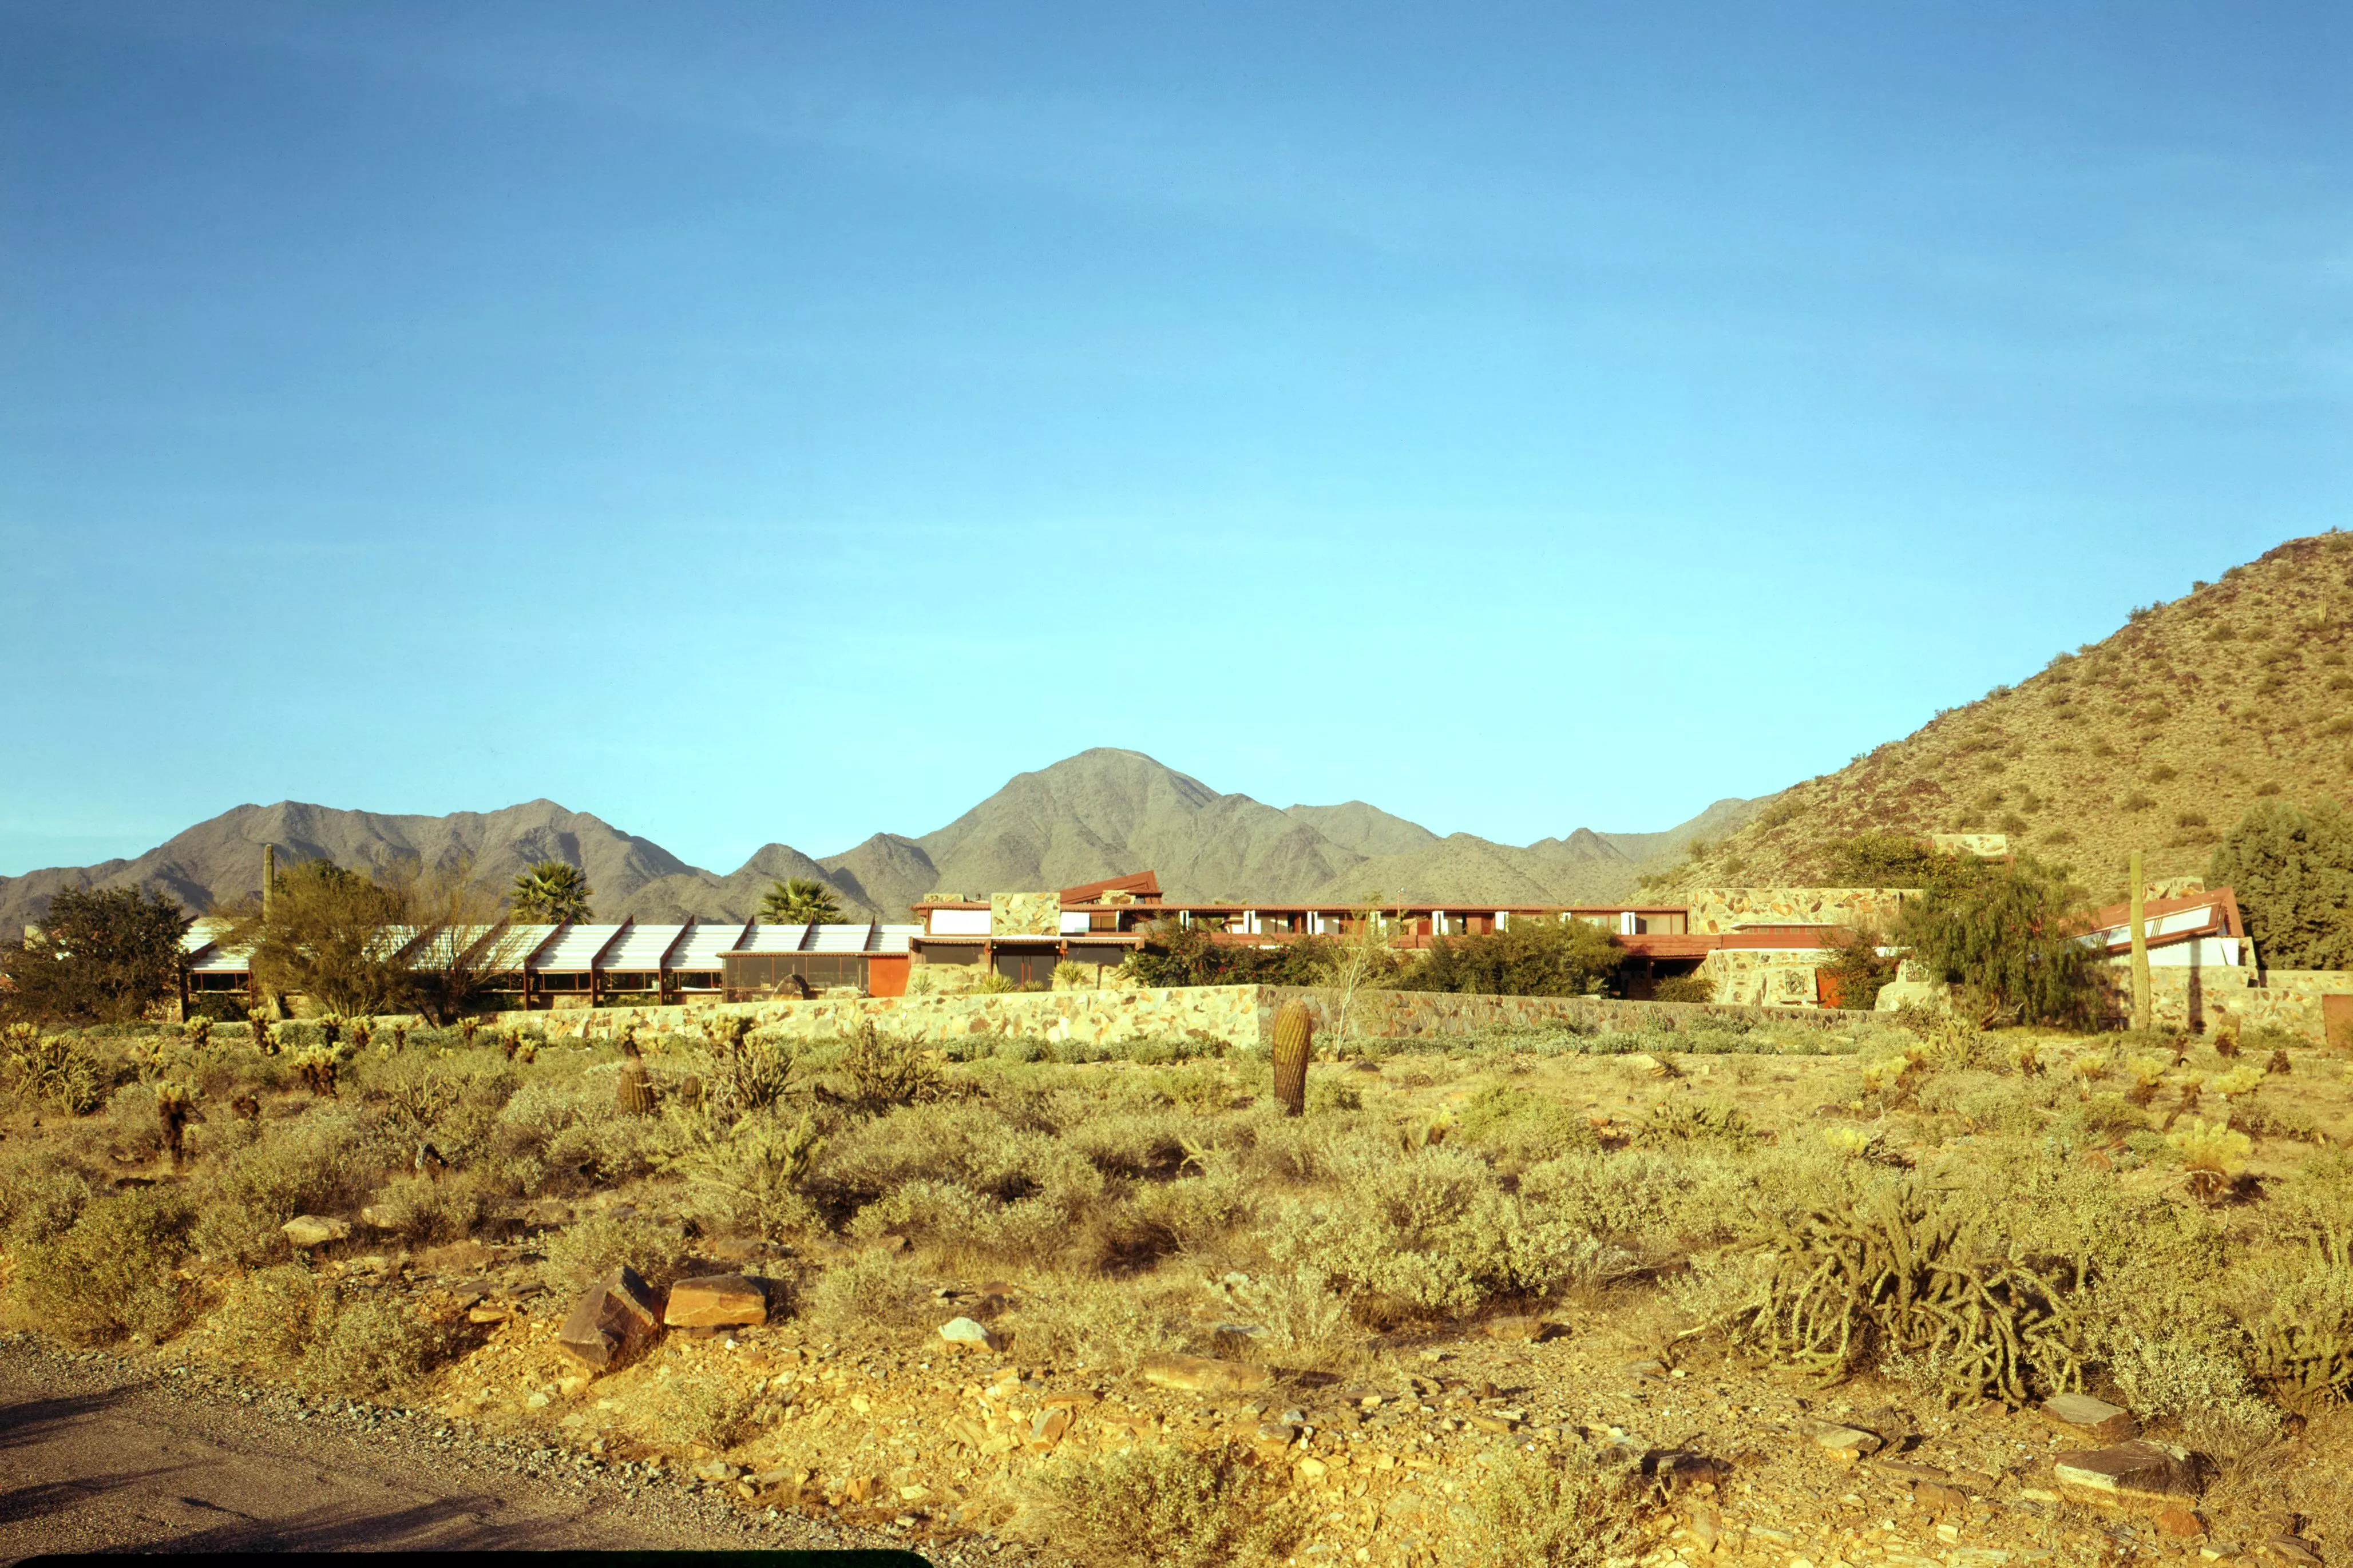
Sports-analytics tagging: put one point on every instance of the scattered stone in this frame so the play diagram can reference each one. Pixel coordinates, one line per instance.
(1938, 1500)
(2292, 1551)
(309, 1230)
(2181, 1523)
(1486, 1422)
(1235, 1339)
(1847, 1443)
(1648, 1064)
(2139, 1471)
(1201, 1374)
(2108, 1422)
(488, 1314)
(963, 1334)
(1683, 1470)
(1654, 1371)
(716, 1302)
(612, 1321)
(1522, 1329)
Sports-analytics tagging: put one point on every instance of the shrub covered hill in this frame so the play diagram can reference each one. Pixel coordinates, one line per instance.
(2157, 738)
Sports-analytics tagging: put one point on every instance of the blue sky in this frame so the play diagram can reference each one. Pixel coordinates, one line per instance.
(778, 422)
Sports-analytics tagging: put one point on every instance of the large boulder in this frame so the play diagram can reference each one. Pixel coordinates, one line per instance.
(612, 1322)
(716, 1302)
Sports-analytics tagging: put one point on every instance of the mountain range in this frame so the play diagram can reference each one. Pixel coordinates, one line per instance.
(2158, 737)
(1104, 813)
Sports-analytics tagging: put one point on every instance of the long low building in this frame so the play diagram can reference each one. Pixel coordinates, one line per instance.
(1026, 936)
(586, 963)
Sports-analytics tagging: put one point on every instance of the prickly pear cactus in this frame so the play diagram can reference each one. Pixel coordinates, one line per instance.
(1294, 1039)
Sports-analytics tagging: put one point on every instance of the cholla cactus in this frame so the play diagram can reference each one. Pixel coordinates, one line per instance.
(2279, 1062)
(263, 1041)
(2148, 1075)
(1891, 1075)
(1855, 1143)
(315, 1070)
(2027, 1057)
(363, 1031)
(468, 1028)
(2238, 1081)
(176, 1106)
(198, 1032)
(2212, 1153)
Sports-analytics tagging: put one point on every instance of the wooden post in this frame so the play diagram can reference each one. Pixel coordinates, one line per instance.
(2140, 1001)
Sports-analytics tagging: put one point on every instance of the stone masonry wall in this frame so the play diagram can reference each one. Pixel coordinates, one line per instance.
(1715, 910)
(1241, 1015)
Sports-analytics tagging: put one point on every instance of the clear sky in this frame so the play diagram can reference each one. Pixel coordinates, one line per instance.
(788, 421)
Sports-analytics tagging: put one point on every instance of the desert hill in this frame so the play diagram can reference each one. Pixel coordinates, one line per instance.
(2158, 737)
(1103, 813)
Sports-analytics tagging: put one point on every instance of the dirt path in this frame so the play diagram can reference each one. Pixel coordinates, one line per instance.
(97, 1452)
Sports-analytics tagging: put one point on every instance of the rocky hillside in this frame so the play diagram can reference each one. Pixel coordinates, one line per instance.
(1103, 813)
(2158, 737)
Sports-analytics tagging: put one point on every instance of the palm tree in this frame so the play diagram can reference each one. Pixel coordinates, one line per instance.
(551, 892)
(798, 901)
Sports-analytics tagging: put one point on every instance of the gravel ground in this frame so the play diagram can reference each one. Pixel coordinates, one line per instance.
(102, 1452)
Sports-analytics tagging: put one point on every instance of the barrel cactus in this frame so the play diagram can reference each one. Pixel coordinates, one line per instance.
(635, 1092)
(1294, 1039)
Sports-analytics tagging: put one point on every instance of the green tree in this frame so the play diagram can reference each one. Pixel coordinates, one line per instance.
(99, 957)
(798, 903)
(1177, 955)
(2292, 867)
(329, 934)
(551, 892)
(2010, 934)
(1530, 957)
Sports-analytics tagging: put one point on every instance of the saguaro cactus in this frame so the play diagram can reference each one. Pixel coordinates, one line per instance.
(1294, 1038)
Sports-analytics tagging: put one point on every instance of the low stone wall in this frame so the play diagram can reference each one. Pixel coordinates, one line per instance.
(2184, 997)
(1405, 1014)
(1240, 1015)
(1715, 910)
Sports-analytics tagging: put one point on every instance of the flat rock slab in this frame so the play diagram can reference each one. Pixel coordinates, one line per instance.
(716, 1302)
(1200, 1375)
(612, 1321)
(2109, 1422)
(1847, 1443)
(967, 1334)
(315, 1230)
(2138, 1471)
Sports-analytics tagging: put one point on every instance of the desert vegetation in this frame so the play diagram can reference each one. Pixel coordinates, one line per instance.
(1917, 1214)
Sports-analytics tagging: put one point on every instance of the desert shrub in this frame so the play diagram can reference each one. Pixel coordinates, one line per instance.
(39, 1197)
(1161, 1506)
(322, 1163)
(424, 1209)
(1532, 958)
(875, 1286)
(271, 1317)
(1518, 1129)
(371, 1344)
(1303, 1317)
(1554, 1514)
(1109, 1326)
(560, 1127)
(1436, 1235)
(1684, 988)
(589, 1249)
(109, 1273)
(709, 1411)
(1194, 1210)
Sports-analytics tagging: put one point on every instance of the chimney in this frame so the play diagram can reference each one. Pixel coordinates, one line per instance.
(269, 876)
